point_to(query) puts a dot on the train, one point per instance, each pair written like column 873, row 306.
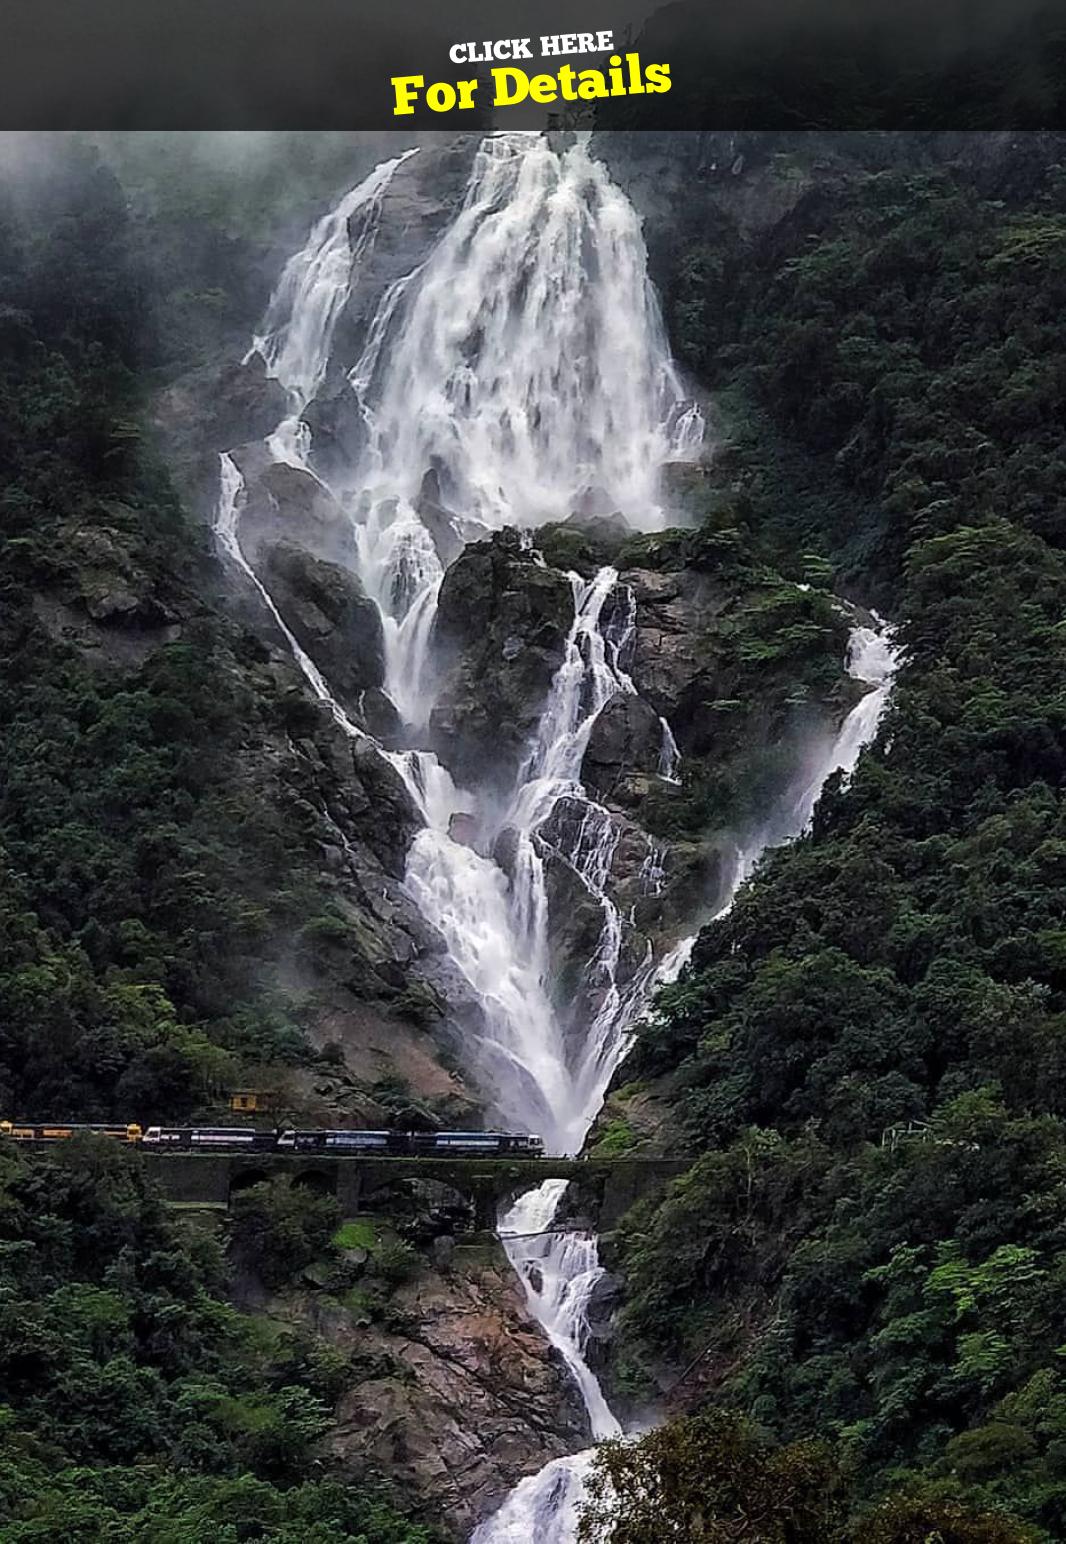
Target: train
column 286, row 1139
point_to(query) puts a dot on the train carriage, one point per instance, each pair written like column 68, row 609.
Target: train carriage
column 60, row 1131
column 391, row 1143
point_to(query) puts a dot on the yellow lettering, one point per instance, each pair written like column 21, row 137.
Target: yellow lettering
column 405, row 87
column 510, row 96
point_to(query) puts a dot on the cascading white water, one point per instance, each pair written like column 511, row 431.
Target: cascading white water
column 452, row 390
column 525, row 359
column 227, row 528
column 525, row 363
column 669, row 754
column 561, row 1272
column 306, row 305
column 590, row 675
column 497, row 928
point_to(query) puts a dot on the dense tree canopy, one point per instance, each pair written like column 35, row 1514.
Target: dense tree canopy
column 136, row 1403
column 713, row 1480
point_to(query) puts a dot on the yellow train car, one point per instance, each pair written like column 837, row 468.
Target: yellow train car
column 53, row 1131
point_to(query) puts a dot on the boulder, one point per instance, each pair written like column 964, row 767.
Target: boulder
column 217, row 406
column 603, row 1300
column 585, row 541
column 331, row 617
column 463, row 827
column 111, row 579
column 338, row 432
column 438, row 521
column 673, row 653
column 626, row 738
column 285, row 503
column 500, row 634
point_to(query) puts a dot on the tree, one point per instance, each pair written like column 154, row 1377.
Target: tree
column 279, row 1228
column 712, row 1479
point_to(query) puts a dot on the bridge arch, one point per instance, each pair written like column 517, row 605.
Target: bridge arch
column 244, row 1179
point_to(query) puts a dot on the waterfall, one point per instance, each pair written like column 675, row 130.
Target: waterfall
column 525, row 359
column 872, row 659
column 316, row 282
column 524, row 352
column 524, row 362
column 560, row 1272
column 669, row 754
column 518, row 371
column 227, row 527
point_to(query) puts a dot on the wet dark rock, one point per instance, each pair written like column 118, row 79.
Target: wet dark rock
column 626, row 738
column 584, row 542
column 442, row 1251
column 379, row 715
column 331, row 617
column 221, row 405
column 463, row 827
column 673, row 659
column 603, row 1301
column 501, row 629
column 287, row 504
column 338, row 431
column 419, row 202
column 443, row 529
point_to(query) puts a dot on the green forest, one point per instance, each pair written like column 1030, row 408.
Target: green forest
column 868, row 1052
column 151, row 855
column 137, row 1403
column 144, row 878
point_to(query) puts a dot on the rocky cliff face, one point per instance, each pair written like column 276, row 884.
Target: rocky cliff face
column 470, row 1399
column 332, row 618
column 746, row 669
column 457, row 1395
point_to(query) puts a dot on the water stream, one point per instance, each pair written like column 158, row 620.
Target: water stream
column 560, row 1271
column 517, row 371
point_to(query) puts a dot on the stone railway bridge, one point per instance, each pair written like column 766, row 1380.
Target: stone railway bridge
column 611, row 1185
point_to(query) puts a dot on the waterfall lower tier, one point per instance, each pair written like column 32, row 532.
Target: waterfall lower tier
column 560, row 1271
column 543, row 1509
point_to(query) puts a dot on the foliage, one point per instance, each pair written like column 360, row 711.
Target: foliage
column 713, row 1479
column 144, row 874
column 136, row 1403
column 282, row 1227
